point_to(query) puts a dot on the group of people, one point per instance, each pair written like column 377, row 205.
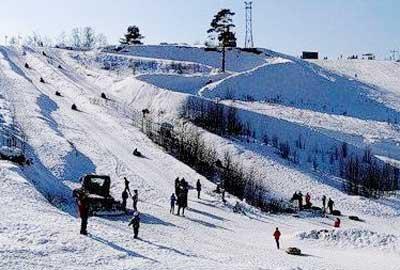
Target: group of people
column 298, row 196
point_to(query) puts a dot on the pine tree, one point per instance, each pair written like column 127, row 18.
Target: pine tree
column 132, row 37
column 221, row 26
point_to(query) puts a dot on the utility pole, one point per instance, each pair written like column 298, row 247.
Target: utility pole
column 249, row 43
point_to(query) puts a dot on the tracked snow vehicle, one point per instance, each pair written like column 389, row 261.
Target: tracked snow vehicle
column 96, row 191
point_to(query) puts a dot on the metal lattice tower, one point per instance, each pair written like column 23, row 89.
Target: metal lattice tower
column 249, row 43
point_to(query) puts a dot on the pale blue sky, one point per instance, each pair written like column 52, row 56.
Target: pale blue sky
column 330, row 26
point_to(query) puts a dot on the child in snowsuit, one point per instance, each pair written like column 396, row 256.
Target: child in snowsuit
column 135, row 222
column 172, row 200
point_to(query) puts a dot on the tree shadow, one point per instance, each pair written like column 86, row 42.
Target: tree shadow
column 119, row 248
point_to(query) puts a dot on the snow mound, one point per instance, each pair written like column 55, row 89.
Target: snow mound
column 354, row 238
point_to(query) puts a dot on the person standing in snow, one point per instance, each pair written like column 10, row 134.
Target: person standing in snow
column 198, row 188
column 337, row 223
column 177, row 185
column 127, row 186
column 323, row 203
column 172, row 201
column 83, row 213
column 124, row 199
column 135, row 199
column 300, row 197
column 330, row 205
column 135, row 222
column 182, row 201
column 277, row 235
column 308, row 200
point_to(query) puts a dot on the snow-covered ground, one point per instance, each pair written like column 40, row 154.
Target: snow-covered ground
column 39, row 228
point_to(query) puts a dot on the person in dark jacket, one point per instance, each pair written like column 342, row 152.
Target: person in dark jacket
column 135, row 199
column 277, row 235
column 330, row 205
column 172, row 200
column 124, row 199
column 135, row 222
column 83, row 213
column 198, row 188
column 127, row 186
column 323, row 203
column 177, row 185
column 300, row 196
column 182, row 201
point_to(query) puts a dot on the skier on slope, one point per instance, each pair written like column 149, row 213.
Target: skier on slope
column 135, row 222
column 198, row 188
column 277, row 235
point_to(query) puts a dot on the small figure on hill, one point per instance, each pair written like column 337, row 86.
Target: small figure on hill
column 237, row 208
column 83, row 213
column 198, row 188
column 124, row 199
column 135, row 222
column 330, row 205
column 137, row 153
column 42, row 80
column 308, row 200
column 103, row 95
column 74, row 108
column 223, row 195
column 127, row 186
column 337, row 223
column 172, row 201
column 60, row 67
column 300, row 198
column 27, row 66
column 177, row 184
column 324, row 203
column 44, row 54
column 277, row 235
column 135, row 199
column 58, row 94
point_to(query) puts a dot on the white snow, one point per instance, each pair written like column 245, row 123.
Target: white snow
column 39, row 228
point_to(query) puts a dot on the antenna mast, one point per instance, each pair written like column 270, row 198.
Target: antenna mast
column 249, row 43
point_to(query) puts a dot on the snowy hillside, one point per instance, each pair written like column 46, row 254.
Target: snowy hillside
column 41, row 230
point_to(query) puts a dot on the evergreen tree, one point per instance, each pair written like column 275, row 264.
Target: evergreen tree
column 221, row 25
column 132, row 37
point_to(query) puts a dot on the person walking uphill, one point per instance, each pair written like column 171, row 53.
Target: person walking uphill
column 135, row 222
column 198, row 188
column 277, row 235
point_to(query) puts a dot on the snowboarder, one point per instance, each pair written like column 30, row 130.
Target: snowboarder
column 124, row 199
column 172, row 200
column 277, row 235
column 308, row 200
column 198, row 188
column 337, row 223
column 83, row 213
column 135, row 222
column 323, row 203
column 135, row 199
column 330, row 205
column 127, row 186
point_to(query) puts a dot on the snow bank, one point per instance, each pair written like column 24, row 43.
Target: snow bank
column 354, row 238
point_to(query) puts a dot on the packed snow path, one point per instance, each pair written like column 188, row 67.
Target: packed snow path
column 34, row 234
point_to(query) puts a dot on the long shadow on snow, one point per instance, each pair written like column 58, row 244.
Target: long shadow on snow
column 207, row 214
column 145, row 218
column 119, row 248
column 76, row 163
column 167, row 248
column 207, row 224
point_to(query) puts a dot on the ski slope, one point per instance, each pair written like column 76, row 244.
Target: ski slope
column 41, row 228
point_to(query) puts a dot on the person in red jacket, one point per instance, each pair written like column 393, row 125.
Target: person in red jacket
column 277, row 235
column 337, row 223
column 83, row 213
